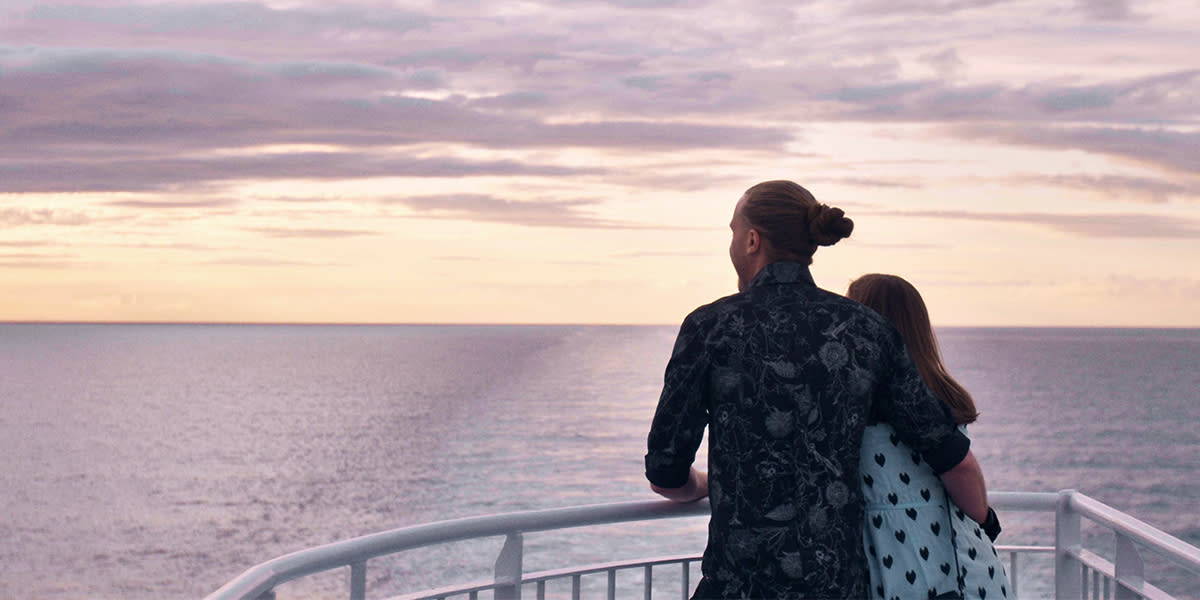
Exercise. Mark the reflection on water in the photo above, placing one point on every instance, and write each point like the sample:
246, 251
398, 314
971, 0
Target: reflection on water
156, 461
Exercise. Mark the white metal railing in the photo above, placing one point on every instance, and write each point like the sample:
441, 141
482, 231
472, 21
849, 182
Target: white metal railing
537, 582
1079, 572
1077, 568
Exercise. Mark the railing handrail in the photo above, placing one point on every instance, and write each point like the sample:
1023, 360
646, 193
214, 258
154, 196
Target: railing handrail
266, 576
1139, 531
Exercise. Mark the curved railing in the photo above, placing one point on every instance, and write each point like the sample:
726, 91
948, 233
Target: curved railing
1076, 568
354, 553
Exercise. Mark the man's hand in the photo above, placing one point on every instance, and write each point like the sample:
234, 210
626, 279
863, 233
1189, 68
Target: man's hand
695, 488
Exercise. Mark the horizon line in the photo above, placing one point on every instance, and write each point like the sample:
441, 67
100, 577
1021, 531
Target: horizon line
514, 324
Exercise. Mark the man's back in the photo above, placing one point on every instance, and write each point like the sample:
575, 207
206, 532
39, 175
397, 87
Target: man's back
784, 375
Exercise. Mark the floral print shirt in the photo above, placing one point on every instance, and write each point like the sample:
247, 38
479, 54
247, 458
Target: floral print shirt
785, 376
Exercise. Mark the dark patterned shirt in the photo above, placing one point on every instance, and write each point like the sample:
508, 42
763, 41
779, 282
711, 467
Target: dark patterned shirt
785, 376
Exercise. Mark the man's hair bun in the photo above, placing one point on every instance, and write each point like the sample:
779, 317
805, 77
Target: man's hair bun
827, 225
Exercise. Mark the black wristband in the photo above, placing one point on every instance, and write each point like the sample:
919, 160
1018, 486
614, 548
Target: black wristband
991, 525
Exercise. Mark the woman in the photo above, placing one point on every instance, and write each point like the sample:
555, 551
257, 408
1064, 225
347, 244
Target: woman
919, 544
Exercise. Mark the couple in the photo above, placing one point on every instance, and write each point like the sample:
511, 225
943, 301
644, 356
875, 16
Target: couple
834, 470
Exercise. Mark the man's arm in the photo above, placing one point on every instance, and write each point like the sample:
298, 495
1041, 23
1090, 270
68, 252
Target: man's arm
680, 420
928, 425
695, 488
964, 483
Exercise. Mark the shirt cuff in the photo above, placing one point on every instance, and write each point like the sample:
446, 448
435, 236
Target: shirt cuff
667, 476
991, 525
949, 453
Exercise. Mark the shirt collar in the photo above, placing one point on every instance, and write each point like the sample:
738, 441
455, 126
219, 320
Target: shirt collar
781, 272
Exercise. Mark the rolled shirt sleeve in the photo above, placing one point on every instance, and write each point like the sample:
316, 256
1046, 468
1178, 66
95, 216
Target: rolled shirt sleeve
682, 414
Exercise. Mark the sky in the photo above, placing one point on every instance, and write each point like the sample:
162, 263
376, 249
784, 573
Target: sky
1023, 163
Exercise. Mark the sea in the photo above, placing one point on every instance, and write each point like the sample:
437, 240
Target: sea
161, 461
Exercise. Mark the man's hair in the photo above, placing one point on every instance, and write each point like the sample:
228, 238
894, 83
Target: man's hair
901, 304
792, 221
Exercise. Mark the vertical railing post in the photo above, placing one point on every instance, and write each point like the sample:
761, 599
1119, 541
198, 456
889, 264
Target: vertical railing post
686, 592
1129, 568
358, 580
509, 568
1013, 574
1068, 571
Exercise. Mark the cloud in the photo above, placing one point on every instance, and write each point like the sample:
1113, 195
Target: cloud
170, 89
1178, 288
1167, 149
141, 120
24, 255
446, 58
150, 174
645, 82
1121, 226
34, 263
12, 217
232, 17
1130, 226
1105, 10
1163, 98
142, 100
872, 182
643, 4
206, 248
309, 200
36, 260
679, 177
485, 208
172, 204
926, 7
946, 63
878, 93
900, 246
1121, 187
26, 243
1127, 99
664, 254
521, 100
661, 136
315, 232
247, 261
984, 283
507, 80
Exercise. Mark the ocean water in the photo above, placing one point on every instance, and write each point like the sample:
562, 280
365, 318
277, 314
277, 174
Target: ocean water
160, 461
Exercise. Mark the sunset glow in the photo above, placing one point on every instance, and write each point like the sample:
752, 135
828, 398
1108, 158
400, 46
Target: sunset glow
1022, 163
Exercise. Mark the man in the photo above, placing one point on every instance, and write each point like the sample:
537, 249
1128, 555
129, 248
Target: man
785, 376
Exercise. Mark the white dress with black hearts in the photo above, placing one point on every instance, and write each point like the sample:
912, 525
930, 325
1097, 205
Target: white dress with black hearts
919, 545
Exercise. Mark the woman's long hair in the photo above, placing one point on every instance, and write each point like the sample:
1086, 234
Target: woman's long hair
899, 302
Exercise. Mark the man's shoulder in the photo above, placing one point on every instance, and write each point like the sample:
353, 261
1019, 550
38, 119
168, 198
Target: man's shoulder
849, 307
819, 299
725, 314
720, 307
856, 320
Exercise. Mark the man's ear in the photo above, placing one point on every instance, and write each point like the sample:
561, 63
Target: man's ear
753, 241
